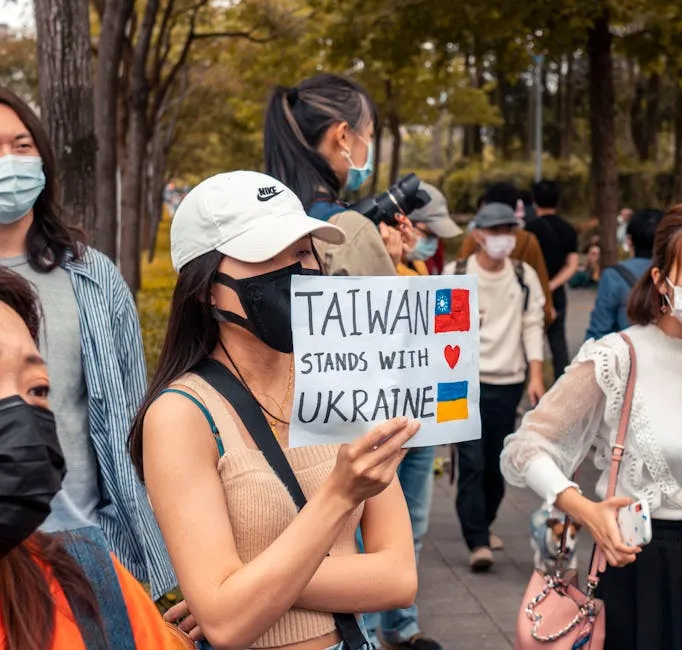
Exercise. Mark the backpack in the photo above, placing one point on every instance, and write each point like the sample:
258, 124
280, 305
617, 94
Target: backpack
461, 269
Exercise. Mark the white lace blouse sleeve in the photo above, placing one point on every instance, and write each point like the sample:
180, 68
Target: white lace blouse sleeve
556, 437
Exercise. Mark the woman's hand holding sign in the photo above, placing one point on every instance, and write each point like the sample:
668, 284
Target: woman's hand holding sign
367, 466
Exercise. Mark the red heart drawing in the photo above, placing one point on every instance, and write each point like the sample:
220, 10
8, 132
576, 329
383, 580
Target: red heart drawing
452, 355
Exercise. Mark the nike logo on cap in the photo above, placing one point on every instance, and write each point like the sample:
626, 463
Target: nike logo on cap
267, 193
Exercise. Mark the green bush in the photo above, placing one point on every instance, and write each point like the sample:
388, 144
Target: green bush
153, 300
640, 186
464, 186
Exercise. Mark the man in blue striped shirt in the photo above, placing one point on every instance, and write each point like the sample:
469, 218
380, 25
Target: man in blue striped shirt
91, 339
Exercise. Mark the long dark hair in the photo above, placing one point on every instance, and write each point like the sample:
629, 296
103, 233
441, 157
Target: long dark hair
191, 336
48, 239
295, 123
646, 302
27, 609
17, 294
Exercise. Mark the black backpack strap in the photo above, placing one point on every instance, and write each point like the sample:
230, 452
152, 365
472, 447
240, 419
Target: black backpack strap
626, 274
461, 267
248, 409
520, 276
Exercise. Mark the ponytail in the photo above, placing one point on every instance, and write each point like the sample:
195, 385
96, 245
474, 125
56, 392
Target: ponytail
297, 120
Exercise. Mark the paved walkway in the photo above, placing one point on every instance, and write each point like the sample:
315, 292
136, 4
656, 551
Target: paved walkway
465, 611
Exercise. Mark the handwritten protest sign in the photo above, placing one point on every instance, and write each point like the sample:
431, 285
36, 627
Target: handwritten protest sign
369, 349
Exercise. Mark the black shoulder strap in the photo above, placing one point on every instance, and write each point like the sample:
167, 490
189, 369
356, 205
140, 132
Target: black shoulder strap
626, 274
520, 276
248, 409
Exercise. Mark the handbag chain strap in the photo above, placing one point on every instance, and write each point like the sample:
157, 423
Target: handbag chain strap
585, 611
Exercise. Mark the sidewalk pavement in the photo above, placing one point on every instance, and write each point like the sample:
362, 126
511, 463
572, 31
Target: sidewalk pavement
466, 611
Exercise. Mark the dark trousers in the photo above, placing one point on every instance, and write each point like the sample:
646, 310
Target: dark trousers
556, 336
480, 485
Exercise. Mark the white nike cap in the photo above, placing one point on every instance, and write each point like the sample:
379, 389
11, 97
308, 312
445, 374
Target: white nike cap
245, 215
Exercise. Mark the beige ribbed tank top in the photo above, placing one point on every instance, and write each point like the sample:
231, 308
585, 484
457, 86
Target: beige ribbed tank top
260, 507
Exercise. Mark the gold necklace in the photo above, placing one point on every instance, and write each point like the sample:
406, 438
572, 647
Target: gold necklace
272, 421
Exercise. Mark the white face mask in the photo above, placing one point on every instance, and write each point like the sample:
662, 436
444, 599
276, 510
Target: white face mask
499, 247
676, 303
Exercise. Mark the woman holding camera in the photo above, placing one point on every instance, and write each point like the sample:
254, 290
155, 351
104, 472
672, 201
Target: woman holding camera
319, 140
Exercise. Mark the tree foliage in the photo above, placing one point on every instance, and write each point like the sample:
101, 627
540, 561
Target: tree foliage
450, 78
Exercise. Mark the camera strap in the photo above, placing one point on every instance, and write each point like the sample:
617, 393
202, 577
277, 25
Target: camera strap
324, 210
250, 413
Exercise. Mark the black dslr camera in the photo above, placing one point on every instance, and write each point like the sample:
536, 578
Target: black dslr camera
404, 197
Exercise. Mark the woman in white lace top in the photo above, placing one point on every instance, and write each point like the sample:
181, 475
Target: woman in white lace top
642, 588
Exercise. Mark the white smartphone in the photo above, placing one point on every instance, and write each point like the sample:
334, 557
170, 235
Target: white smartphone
634, 522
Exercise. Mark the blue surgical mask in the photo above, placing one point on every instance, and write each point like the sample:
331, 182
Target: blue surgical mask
425, 249
358, 175
21, 181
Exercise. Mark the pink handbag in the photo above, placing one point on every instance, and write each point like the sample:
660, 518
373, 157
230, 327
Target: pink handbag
555, 614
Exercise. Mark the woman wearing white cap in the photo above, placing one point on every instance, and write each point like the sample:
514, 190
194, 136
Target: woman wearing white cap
254, 572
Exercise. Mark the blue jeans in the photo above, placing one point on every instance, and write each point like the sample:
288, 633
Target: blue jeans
416, 478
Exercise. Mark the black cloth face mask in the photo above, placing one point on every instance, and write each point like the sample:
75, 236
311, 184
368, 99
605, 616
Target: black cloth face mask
32, 469
266, 300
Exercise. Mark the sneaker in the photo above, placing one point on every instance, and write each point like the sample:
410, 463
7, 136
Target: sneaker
496, 543
417, 642
481, 559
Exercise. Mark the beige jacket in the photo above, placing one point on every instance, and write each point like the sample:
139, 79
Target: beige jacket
363, 253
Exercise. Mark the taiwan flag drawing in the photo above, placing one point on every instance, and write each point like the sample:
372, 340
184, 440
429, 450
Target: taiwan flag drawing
452, 402
452, 311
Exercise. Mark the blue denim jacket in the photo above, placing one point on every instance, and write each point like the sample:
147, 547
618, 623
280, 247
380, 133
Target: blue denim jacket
116, 379
610, 309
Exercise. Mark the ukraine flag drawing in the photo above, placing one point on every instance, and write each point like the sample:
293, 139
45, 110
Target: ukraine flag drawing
452, 403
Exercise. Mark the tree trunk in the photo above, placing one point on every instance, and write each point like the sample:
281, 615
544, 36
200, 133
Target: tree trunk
567, 111
67, 104
530, 123
504, 131
653, 114
603, 136
377, 160
468, 142
480, 81
155, 184
136, 151
450, 151
131, 195
114, 20
437, 150
394, 129
637, 124
553, 105
677, 165
145, 216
